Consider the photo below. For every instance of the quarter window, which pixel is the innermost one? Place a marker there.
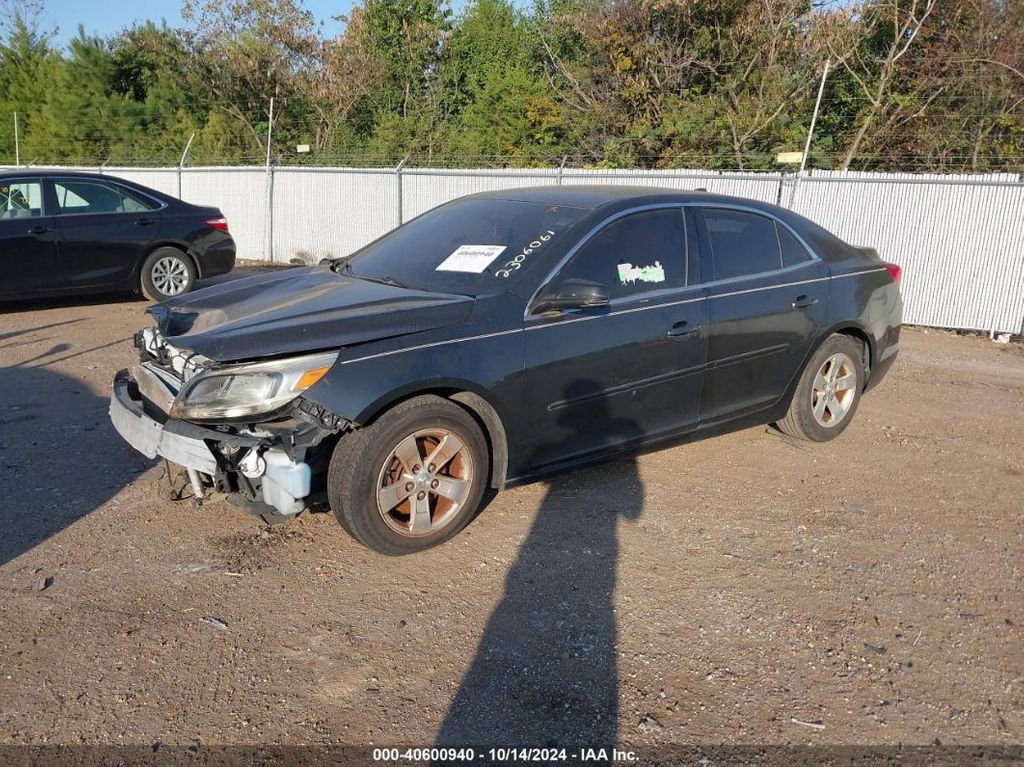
(96, 197)
(635, 254)
(20, 199)
(793, 251)
(742, 243)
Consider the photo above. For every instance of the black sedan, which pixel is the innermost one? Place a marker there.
(67, 233)
(503, 337)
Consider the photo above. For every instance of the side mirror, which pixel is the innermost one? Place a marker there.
(572, 294)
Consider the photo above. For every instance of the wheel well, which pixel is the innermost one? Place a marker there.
(487, 419)
(859, 335)
(176, 246)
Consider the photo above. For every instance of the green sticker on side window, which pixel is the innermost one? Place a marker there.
(629, 274)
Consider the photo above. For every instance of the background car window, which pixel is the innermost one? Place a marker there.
(89, 197)
(635, 254)
(793, 251)
(741, 243)
(20, 199)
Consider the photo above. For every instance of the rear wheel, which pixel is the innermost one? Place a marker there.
(412, 479)
(828, 392)
(168, 272)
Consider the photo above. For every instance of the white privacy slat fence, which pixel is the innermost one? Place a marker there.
(959, 239)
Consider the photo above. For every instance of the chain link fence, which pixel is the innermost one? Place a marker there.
(959, 239)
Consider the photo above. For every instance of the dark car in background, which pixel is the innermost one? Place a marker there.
(64, 233)
(501, 338)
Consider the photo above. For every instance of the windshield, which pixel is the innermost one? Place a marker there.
(469, 246)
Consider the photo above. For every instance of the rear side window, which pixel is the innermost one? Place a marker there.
(793, 251)
(635, 254)
(741, 243)
(96, 197)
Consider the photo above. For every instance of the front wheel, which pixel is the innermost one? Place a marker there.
(167, 273)
(410, 480)
(828, 392)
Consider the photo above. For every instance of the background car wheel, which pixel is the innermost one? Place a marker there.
(410, 480)
(828, 391)
(167, 273)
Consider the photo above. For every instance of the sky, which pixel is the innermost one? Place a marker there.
(105, 17)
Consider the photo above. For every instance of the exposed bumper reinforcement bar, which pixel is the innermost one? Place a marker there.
(151, 438)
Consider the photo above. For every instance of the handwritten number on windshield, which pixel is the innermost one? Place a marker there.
(510, 267)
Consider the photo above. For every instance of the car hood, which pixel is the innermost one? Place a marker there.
(300, 310)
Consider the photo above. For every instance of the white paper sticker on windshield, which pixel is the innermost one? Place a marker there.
(471, 258)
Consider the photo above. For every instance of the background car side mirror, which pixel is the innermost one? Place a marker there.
(572, 294)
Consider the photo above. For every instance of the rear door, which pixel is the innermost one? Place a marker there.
(766, 304)
(104, 231)
(28, 244)
(597, 379)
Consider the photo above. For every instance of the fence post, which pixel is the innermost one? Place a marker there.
(184, 157)
(268, 246)
(782, 186)
(561, 167)
(398, 187)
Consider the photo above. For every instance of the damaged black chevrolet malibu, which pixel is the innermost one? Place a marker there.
(503, 337)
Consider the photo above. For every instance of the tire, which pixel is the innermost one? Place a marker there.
(167, 273)
(365, 462)
(841, 363)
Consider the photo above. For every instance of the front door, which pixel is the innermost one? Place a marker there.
(603, 378)
(28, 246)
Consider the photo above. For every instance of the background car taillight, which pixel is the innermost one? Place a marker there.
(221, 223)
(895, 271)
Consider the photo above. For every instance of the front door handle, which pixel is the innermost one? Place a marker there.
(683, 328)
(40, 229)
(144, 221)
(804, 302)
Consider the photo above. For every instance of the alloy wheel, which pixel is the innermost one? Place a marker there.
(170, 276)
(834, 390)
(424, 482)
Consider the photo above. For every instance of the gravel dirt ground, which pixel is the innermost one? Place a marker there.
(745, 589)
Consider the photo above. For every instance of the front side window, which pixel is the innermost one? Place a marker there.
(635, 254)
(96, 197)
(741, 243)
(20, 199)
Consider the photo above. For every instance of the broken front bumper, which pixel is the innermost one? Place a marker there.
(277, 480)
(152, 438)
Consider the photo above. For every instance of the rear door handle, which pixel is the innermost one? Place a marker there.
(40, 229)
(804, 302)
(144, 221)
(683, 328)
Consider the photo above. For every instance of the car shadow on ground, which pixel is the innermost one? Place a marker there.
(60, 458)
(545, 672)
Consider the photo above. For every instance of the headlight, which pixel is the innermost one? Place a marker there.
(249, 389)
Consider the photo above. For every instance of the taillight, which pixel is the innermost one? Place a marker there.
(218, 223)
(895, 271)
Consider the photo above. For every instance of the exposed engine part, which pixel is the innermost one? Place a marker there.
(197, 484)
(252, 464)
(286, 482)
(151, 343)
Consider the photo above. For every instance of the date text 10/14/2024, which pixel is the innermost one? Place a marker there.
(503, 754)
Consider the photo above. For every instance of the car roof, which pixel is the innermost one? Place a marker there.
(38, 172)
(594, 196)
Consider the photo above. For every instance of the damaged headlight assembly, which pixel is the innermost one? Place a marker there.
(249, 389)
